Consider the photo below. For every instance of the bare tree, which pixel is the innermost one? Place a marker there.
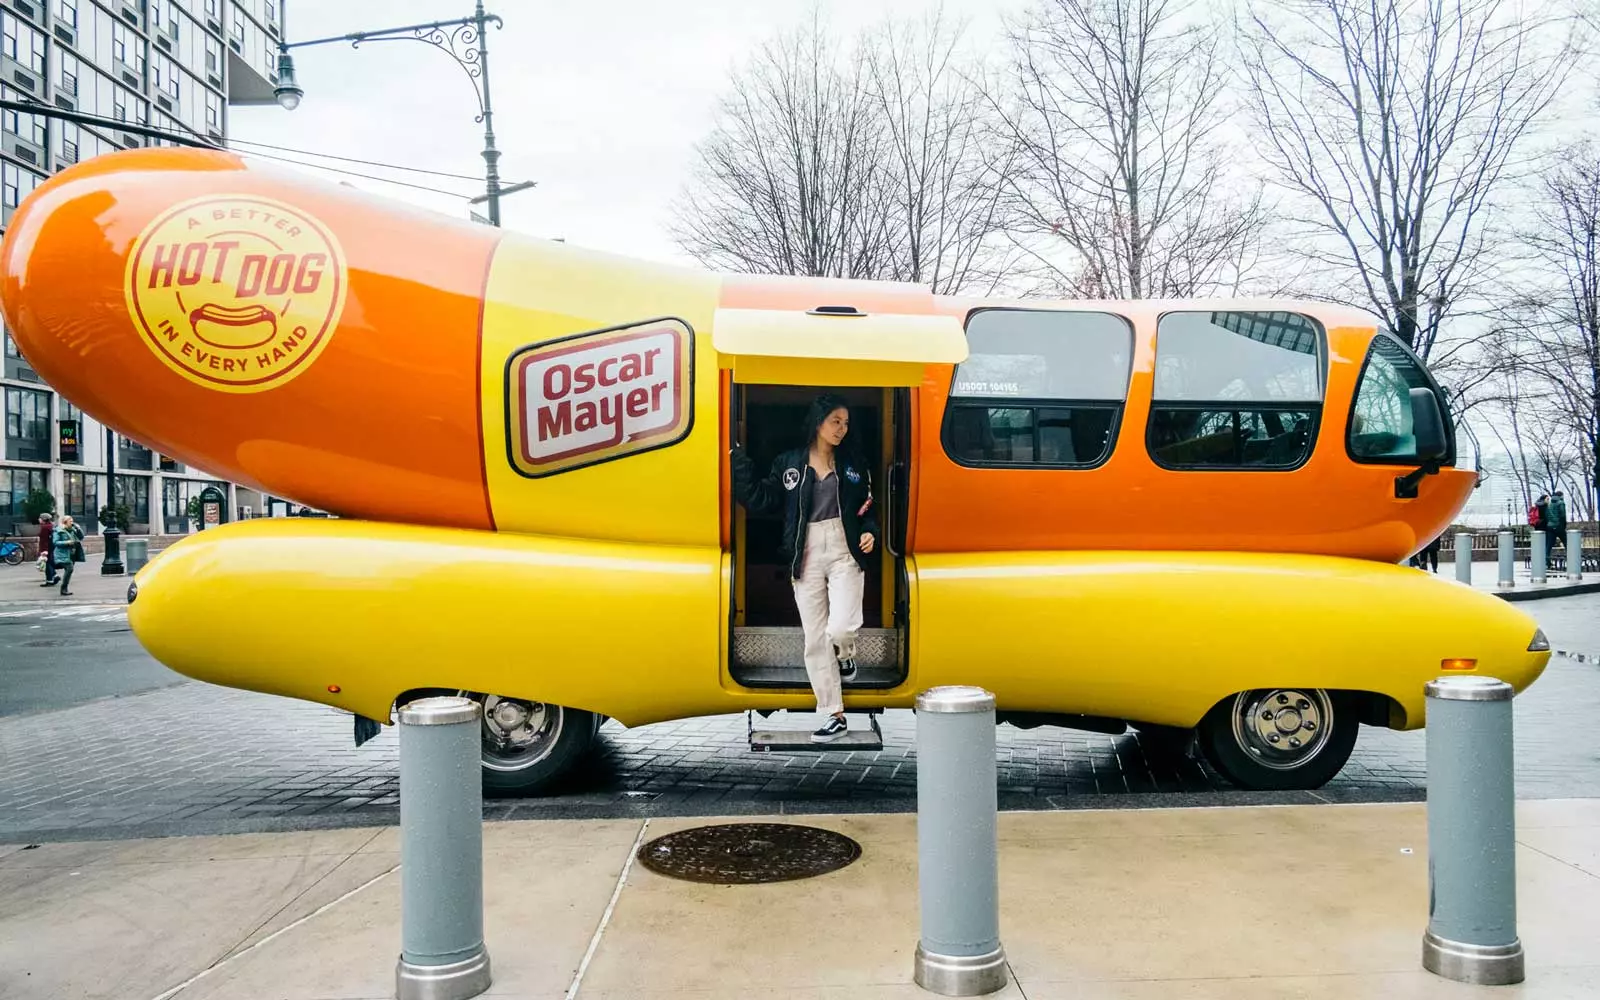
(946, 173)
(1397, 121)
(1113, 108)
(1562, 342)
(793, 178)
(866, 164)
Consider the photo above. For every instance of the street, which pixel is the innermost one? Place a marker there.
(99, 741)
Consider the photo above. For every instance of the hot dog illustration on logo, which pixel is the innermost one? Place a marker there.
(236, 293)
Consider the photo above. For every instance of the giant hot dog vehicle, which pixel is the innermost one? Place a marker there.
(1183, 516)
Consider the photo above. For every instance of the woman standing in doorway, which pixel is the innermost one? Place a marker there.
(829, 530)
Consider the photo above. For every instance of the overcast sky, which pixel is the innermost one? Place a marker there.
(600, 102)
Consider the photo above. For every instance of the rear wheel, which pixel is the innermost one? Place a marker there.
(529, 745)
(1280, 739)
(13, 554)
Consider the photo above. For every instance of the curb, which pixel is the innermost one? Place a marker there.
(1532, 593)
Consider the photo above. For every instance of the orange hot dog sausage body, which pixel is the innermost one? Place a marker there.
(383, 422)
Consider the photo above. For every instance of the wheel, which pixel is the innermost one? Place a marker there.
(529, 745)
(1280, 739)
(13, 555)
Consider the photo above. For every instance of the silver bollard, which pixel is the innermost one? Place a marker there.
(1574, 554)
(1538, 557)
(1472, 872)
(1463, 557)
(1508, 559)
(442, 953)
(958, 867)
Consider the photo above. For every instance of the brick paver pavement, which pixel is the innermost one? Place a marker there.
(202, 759)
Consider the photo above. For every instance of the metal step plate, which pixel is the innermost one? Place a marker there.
(866, 679)
(799, 741)
(876, 648)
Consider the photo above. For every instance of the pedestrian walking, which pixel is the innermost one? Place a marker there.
(67, 547)
(1557, 520)
(1429, 556)
(47, 529)
(829, 530)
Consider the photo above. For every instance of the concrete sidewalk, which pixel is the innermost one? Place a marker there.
(1202, 904)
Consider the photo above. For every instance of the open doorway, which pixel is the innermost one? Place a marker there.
(767, 647)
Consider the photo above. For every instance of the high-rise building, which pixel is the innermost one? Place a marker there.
(174, 65)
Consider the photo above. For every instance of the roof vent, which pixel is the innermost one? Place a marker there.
(835, 311)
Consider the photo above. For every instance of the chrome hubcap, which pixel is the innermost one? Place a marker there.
(1282, 728)
(518, 733)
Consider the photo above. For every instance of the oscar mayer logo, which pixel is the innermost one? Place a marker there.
(236, 292)
(599, 396)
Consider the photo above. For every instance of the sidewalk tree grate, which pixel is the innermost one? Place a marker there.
(748, 853)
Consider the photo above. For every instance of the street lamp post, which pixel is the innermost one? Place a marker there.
(465, 40)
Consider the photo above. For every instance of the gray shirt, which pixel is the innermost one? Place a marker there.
(825, 498)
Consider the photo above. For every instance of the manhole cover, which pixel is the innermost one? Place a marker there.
(748, 853)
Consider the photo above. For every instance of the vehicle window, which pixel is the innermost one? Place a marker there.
(1246, 356)
(1380, 420)
(1039, 388)
(1236, 390)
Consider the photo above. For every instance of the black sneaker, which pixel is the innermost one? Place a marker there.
(831, 730)
(847, 668)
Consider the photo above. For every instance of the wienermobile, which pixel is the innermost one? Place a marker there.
(1184, 516)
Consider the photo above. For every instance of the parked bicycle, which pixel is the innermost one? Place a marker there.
(10, 551)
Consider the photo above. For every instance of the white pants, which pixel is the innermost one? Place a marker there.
(828, 594)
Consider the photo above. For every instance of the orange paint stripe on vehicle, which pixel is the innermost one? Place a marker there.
(381, 423)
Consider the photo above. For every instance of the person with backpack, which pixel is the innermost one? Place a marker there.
(1556, 520)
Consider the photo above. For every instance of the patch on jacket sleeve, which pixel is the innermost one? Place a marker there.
(791, 478)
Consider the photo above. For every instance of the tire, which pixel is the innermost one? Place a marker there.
(1315, 730)
(13, 555)
(529, 746)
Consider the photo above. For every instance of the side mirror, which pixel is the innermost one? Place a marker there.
(1427, 424)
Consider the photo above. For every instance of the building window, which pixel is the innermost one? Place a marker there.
(238, 25)
(1380, 418)
(69, 151)
(213, 112)
(21, 43)
(164, 74)
(1236, 390)
(69, 74)
(213, 56)
(82, 499)
(15, 485)
(67, 10)
(133, 455)
(28, 127)
(1039, 388)
(27, 425)
(133, 492)
(11, 346)
(211, 8)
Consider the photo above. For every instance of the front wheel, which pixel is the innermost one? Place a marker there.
(1280, 739)
(13, 554)
(529, 745)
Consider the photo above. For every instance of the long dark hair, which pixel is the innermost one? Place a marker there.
(821, 408)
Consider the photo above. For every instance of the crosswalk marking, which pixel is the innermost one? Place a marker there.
(79, 612)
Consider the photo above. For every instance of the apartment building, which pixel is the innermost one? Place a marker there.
(174, 65)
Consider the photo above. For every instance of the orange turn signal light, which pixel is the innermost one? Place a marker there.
(1458, 664)
(334, 688)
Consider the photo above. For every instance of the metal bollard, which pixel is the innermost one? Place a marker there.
(1463, 557)
(1574, 554)
(1508, 559)
(1472, 874)
(958, 867)
(1538, 557)
(442, 953)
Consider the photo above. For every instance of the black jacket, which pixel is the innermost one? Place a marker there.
(788, 488)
